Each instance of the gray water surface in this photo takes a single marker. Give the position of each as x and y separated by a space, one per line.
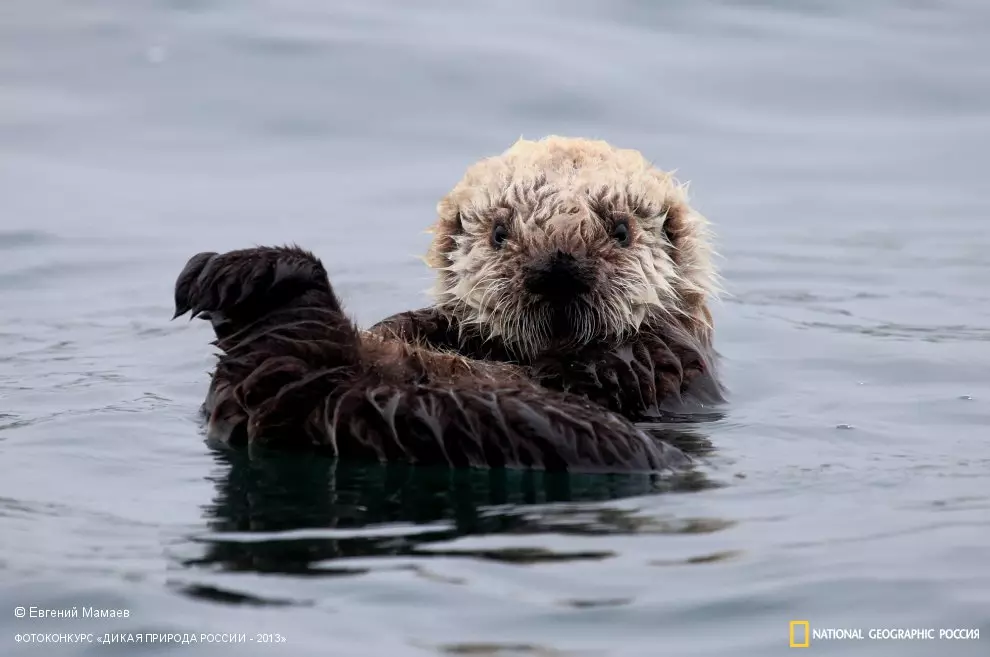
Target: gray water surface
840 149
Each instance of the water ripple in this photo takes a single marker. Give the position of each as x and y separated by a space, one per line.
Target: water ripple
839 149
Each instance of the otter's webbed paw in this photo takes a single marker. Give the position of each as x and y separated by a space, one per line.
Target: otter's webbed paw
235 288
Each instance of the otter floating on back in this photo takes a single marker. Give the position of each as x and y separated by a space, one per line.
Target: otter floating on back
571 301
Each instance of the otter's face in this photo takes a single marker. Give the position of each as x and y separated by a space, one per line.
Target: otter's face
565 242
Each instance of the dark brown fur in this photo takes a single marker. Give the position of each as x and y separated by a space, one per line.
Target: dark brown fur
295 373
640 378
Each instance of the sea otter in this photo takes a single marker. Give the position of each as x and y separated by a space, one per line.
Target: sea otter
295 373
571 300
582 263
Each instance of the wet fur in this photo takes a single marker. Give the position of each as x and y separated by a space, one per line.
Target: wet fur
295 373
639 340
647 377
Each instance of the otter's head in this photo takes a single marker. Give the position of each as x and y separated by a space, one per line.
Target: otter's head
564 242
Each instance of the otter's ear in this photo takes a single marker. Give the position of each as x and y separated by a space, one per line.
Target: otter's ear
447 226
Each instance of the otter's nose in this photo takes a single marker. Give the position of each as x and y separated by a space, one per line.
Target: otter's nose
559 277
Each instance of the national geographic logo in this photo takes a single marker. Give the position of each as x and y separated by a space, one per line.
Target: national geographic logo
804 628
800 634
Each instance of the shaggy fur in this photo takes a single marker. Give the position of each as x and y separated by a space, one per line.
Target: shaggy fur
571 300
295 373
582 263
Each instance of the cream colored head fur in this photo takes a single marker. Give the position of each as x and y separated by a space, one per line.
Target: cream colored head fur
511 212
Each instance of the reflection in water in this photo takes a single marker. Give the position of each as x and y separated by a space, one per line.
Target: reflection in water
300 515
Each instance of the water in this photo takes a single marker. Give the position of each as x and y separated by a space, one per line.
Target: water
840 149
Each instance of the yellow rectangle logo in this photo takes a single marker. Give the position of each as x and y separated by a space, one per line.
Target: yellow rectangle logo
807 634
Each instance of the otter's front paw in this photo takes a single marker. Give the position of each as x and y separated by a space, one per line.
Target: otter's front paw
594 377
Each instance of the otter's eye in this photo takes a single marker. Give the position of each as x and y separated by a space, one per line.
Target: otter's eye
620 233
500 235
